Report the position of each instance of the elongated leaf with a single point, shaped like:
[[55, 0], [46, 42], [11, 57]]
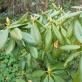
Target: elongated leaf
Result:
[[29, 60], [54, 13], [58, 79], [3, 37], [28, 38], [16, 34], [67, 16], [38, 73], [20, 80], [48, 38], [78, 31], [39, 24], [51, 79], [21, 22], [76, 76], [34, 52], [23, 19], [81, 68], [70, 30], [46, 79], [63, 31], [71, 57], [36, 34], [10, 46], [58, 34], [17, 25], [70, 47]]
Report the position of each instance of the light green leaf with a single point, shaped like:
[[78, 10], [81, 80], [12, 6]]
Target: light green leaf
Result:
[[10, 46], [36, 34], [29, 60], [70, 47], [71, 57], [17, 25], [81, 68], [78, 31], [28, 38], [70, 30], [67, 16], [51, 79], [23, 19], [20, 80], [39, 24], [58, 79], [58, 34], [54, 13], [34, 52], [48, 38], [46, 79], [16, 34], [38, 73], [3, 37], [63, 31]]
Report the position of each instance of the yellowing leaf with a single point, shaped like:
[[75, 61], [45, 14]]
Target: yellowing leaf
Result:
[[7, 21], [56, 44]]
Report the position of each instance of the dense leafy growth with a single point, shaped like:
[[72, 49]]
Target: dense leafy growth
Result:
[[40, 48]]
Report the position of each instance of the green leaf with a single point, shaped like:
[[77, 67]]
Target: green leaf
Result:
[[20, 80], [78, 31], [63, 31], [48, 38], [70, 47], [21, 22], [70, 30], [58, 34], [76, 76], [51, 79], [67, 16], [71, 57], [54, 13], [38, 73], [34, 52], [46, 79], [17, 25], [36, 34], [58, 79], [39, 24], [10, 46], [3, 37], [23, 18], [29, 60], [81, 68], [28, 38], [16, 34]]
